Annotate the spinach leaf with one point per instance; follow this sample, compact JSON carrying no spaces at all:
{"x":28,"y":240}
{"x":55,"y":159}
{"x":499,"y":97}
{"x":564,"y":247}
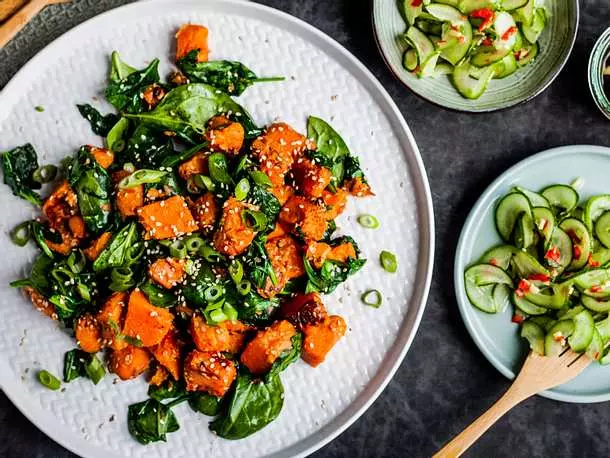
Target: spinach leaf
{"x":256,"y":309}
{"x":268,"y":204}
{"x":257,"y":263}
{"x":151,"y":421}
{"x":121,"y":248}
{"x":157,"y":296}
{"x":286,"y":358}
{"x":228,"y":76}
{"x":187,"y":109}
{"x":119,"y":70}
{"x":253,"y":405}
{"x":205,"y":403}
{"x":177,"y":158}
{"x":115,"y":138}
{"x":39,"y":277}
{"x":41,"y":234}
{"x":18,"y":166}
{"x":170,"y":389}
{"x":124,"y":92}
{"x":147,"y":148}
{"x":74,"y":364}
{"x":92,"y":185}
{"x":100,"y":125}
{"x":197,"y":284}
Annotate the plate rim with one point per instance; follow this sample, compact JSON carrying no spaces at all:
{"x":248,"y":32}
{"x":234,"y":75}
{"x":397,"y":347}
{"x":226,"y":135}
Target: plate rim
{"x":543,"y":88}
{"x":458,"y":277}
{"x":394,"y":356}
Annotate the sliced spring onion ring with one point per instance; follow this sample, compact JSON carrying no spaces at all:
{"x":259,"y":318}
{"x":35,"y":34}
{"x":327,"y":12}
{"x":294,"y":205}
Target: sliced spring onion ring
{"x":388,"y":261}
{"x":45,"y":174}
{"x":178,"y":249}
{"x":95,"y":369}
{"x":255,"y":220}
{"x":368,"y":221}
{"x":122,"y":279}
{"x":142,"y":176}
{"x":193,"y":187}
{"x":261,"y":179}
{"x":48,"y":380}
{"x":242,"y":189}
{"x":372,"y":298}
{"x":204,"y":182}
{"x":210,"y":254}
{"x":236,"y":271}
{"x":194,"y":243}
{"x":214,"y":293}
{"x":230,"y":312}
{"x":129,"y":167}
{"x":244,"y":287}
{"x":21,"y":234}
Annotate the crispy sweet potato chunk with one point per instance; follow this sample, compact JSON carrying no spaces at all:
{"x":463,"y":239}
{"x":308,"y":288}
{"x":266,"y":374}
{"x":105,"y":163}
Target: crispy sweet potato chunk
{"x":268,"y":344}
{"x":233,"y":236}
{"x":306,"y":218}
{"x":102,"y":156}
{"x":144,"y":321}
{"x":359,"y":188}
{"x":335,"y":202}
{"x":191,"y":37}
{"x":88,"y":333}
{"x":208,"y":371}
{"x":76,"y":225}
{"x":277,"y":148}
{"x":225,"y":135}
{"x":167,"y":353}
{"x":205,"y":211}
{"x":60,"y":205}
{"x":287,"y":263}
{"x":282,"y":193}
{"x":196,"y":165}
{"x":129,"y":362}
{"x":278,"y":231}
{"x":318,"y":252}
{"x":320,"y":338}
{"x":40,"y":302}
{"x":68,"y":241}
{"x":311,"y":179}
{"x":227,"y":337}
{"x":167,"y":219}
{"x":110,"y":318}
{"x":167,"y":272}
{"x":160,"y":375}
{"x":304,"y":310}
{"x":97,"y":246}
{"x":128,"y":200}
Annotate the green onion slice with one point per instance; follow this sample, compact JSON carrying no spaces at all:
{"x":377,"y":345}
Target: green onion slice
{"x":178,"y":249}
{"x":21,"y":234}
{"x":84,"y":292}
{"x":255,"y":220}
{"x":242,"y":189}
{"x":244,"y":287}
{"x":214,"y":293}
{"x":45,"y":174}
{"x":210,"y":254}
{"x":204,"y":182}
{"x":193,"y":243}
{"x":95,"y":369}
{"x":372,"y":298}
{"x":388,"y":261}
{"x":230,"y":312}
{"x":48,"y":380}
{"x":219,"y":169}
{"x":193,"y":187}
{"x":368,"y":221}
{"x":261,"y":179}
{"x":129,"y":167}
{"x":76,"y":261}
{"x":142,"y":176}
{"x":236,"y":271}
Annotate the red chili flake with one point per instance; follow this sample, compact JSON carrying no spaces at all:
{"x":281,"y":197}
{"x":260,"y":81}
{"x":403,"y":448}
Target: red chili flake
{"x":553,"y":255}
{"x":596,"y":289}
{"x":558,"y":338}
{"x":487,"y":14}
{"x":417,"y":2}
{"x":487,"y":42}
{"x":539,"y":277}
{"x":591,"y":262}
{"x":509,"y":33}
{"x":524,"y":286}
{"x":518,"y":318}
{"x":493,"y":262}
{"x":577,"y":251}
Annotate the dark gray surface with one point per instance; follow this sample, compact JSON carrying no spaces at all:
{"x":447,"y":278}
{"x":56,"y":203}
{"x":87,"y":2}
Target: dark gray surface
{"x":444,"y":381}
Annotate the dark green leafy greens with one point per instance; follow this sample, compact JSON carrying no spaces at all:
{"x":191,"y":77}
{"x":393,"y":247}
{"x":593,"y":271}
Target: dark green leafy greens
{"x":258,"y":265}
{"x":100,"y":124}
{"x":205,"y":403}
{"x":18,"y":167}
{"x":170,"y":389}
{"x":267,"y":202}
{"x":151,"y":421}
{"x":127,"y":84}
{"x":229,"y":76}
{"x":256,"y":309}
{"x":147,"y":148}
{"x":78,"y":363}
{"x":41,"y":234}
{"x":159,"y":297}
{"x":286,"y":358}
{"x":121,"y":250}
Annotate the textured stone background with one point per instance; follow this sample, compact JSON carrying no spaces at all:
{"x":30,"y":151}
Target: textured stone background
{"x":444,"y":381}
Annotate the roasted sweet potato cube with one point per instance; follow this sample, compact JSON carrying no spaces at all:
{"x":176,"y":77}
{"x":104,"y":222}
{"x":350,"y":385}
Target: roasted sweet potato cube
{"x":144,"y":321}
{"x":209,"y":371}
{"x":306,"y":218}
{"x":359,"y":188}
{"x":225,"y":135}
{"x":318,"y":252}
{"x":278,"y":231}
{"x":335,"y":202}
{"x":282,"y":193}
{"x":102,"y":156}
{"x":167,"y":219}
{"x":88,"y":333}
{"x":311,"y":179}
{"x":320,"y":338}
{"x":304,"y":309}
{"x":160,"y":375}
{"x":129,"y":362}
{"x":205,"y":211}
{"x":167,"y":353}
{"x":60,"y":205}
{"x":40,"y":302}
{"x":97,"y":246}
{"x":110,"y":317}
{"x":233,"y":237}
{"x":287,"y":262}
{"x":191,"y":37}
{"x":68,"y":241}
{"x":129,"y":200}
{"x":268,"y":344}
{"x":196,"y":165}
{"x":228,"y":336}
{"x":76,"y":225}
{"x":167,"y":272}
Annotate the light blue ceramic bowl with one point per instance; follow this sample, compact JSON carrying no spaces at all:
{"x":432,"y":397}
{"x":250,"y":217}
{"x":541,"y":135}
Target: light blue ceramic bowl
{"x":495,"y":335}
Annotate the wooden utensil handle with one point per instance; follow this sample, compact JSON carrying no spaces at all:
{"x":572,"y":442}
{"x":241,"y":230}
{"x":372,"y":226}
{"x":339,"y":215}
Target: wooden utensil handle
{"x":469,"y":436}
{"x":10,"y":28}
{"x":8,"y":7}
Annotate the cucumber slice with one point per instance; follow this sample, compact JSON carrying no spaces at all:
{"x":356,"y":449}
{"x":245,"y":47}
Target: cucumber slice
{"x":534,"y":334}
{"x":443,"y":68}
{"x":527,"y":265}
{"x":526,"y":306}
{"x":595,"y":305}
{"x":506,"y":30}
{"x":428,"y":67}
{"x":600,"y":258}
{"x":594,"y":208}
{"x":559,"y":251}
{"x":508,"y":211}
{"x":410,"y":11}
{"x":527,"y":54}
{"x":525,"y":14}
{"x":581,"y":242}
{"x":509,"y":5}
{"x":532,"y":31}
{"x":596,"y":347}
{"x":486,"y":274}
{"x":606,"y":358}
{"x":587,"y":280}
{"x":505,"y":67}
{"x":558,"y":299}
{"x":598,"y":292}
{"x":563,"y":198}
{"x":583,"y":331}
{"x":409,"y":60}
{"x":429,"y":27}
{"x":556,"y":338}
{"x":457,"y":44}
{"x":544,"y":219}
{"x":602,"y":229}
{"x":501,"y":297}
{"x":446,"y":13}
{"x":569,"y":313}
{"x":481,"y":297}
{"x":524,"y":232}
{"x":545,"y":322}
{"x":603,"y":328}
{"x":468,"y":6}
{"x":422,"y":44}
{"x":453,"y":3}
{"x":518,"y":40}
{"x":536,"y":200}
{"x":499,"y":256}
{"x":488,"y":55}
{"x":469,"y":87}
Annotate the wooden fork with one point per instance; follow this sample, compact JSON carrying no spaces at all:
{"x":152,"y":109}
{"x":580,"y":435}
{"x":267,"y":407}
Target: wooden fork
{"x":539,"y":373}
{"x":18,"y":20}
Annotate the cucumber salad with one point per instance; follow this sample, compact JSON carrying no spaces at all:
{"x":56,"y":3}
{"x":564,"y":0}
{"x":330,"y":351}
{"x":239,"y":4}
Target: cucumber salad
{"x":472,"y":41}
{"x":554,"y":267}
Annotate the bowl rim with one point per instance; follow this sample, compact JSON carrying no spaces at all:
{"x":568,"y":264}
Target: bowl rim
{"x":600,"y":51}
{"x":564,"y":59}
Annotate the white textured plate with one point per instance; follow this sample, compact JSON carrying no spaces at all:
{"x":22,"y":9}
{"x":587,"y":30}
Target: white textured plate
{"x":322,"y":79}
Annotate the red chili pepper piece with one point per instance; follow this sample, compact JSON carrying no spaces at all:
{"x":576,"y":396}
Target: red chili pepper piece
{"x":487,"y":14}
{"x":518,"y":319}
{"x":596,"y":289}
{"x":509,"y":33}
{"x":417,"y":2}
{"x":592,"y":263}
{"x":539,"y":277}
{"x":553,"y":255}
{"x":577,"y":251}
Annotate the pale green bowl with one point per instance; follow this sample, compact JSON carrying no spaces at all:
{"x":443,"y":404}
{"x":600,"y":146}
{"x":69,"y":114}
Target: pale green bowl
{"x":555,"y":47}
{"x":597,"y":63}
